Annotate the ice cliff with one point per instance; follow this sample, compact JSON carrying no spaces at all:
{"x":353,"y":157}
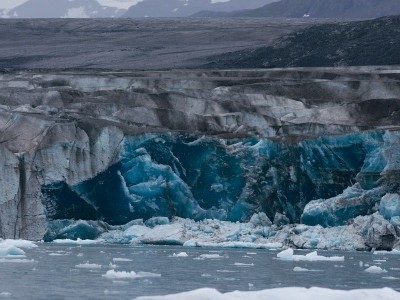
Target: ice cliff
{"x":311,"y":146}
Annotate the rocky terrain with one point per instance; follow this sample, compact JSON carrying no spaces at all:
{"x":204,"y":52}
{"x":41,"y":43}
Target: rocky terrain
{"x":136,"y":44}
{"x":360,"y":43}
{"x":316,"y":146}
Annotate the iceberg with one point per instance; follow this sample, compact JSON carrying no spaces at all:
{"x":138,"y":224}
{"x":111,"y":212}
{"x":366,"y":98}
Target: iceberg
{"x":289,"y":255}
{"x":11,"y":251}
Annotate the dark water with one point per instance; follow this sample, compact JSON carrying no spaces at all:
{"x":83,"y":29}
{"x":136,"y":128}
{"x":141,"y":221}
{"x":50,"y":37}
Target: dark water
{"x":53,"y":274}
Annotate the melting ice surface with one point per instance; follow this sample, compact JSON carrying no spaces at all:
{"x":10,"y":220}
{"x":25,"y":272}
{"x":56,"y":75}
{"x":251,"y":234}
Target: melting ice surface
{"x":100,"y":271}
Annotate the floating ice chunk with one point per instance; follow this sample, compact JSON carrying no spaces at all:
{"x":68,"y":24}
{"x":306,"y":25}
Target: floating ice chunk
{"x":112,"y":266}
{"x":6,"y":251}
{"x":209,"y":256}
{"x":291,"y":293}
{"x":5,"y":294}
{"x":88,"y":266}
{"x":111,"y":274}
{"x":238,"y":264}
{"x":18,"y":243}
{"x":391,"y":278}
{"x":76,"y":242}
{"x":375,"y":269}
{"x":313,"y":256}
{"x":300,"y":269}
{"x":180,"y":254}
{"x":115,"y":259}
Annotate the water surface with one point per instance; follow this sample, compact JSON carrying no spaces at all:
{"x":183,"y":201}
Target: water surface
{"x":54,"y":273}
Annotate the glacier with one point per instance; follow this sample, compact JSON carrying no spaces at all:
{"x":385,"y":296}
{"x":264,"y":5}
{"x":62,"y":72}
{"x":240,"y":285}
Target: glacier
{"x":302,"y":158}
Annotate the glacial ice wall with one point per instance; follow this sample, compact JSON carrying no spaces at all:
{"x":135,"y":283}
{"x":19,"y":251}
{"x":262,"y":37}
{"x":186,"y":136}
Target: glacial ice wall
{"x":316,"y":145}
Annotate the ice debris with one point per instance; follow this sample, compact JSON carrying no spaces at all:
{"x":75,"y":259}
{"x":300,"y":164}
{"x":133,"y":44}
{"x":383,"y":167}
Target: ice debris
{"x":300,"y":269}
{"x":313,"y":256}
{"x":375,"y":269}
{"x":290,"y":293}
{"x":180,"y":254}
{"x":88,"y":266}
{"x":111,"y":274}
{"x":76,"y":242}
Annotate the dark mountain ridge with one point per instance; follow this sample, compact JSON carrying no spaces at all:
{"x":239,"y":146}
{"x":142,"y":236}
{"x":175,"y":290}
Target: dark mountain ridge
{"x":317,"y":9}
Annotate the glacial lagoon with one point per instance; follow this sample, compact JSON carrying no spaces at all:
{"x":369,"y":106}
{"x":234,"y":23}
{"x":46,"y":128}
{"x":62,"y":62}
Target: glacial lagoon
{"x":98,"y":271}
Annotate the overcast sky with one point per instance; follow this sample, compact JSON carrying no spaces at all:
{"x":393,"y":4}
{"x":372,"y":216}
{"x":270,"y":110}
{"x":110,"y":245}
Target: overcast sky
{"x":7,"y":4}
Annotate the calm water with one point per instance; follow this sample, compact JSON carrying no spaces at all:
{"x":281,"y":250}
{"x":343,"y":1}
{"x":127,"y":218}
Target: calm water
{"x":54,"y":275}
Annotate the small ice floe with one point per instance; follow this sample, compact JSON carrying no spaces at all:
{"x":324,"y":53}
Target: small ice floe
{"x":180,"y":254}
{"x":379,"y":260}
{"x":391,"y":278}
{"x":112,"y":274}
{"x":75,"y":242}
{"x":251,"y":286}
{"x":112,"y":266}
{"x":375,"y":270}
{"x":5,"y":294}
{"x":313,"y":256}
{"x":88,"y":266}
{"x":238,"y":264}
{"x":11,"y":251}
{"x":226,"y":271}
{"x":208,"y":256}
{"x":251,"y":253}
{"x":119,"y":259}
{"x":58,"y":253}
{"x":206,"y":275}
{"x":300,"y":269}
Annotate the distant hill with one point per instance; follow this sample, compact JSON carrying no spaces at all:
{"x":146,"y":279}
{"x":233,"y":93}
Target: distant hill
{"x":344,"y":9}
{"x":372,"y":42}
{"x":61,"y":9}
{"x":179,"y":8}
